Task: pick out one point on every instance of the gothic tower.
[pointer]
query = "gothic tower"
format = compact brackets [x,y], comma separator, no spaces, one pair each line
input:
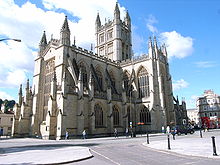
[113,39]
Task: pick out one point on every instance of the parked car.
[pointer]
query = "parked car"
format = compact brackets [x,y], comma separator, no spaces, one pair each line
[184,130]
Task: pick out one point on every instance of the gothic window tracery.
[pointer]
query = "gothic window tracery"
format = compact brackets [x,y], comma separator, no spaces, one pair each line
[145,116]
[98,115]
[115,112]
[84,75]
[143,83]
[49,71]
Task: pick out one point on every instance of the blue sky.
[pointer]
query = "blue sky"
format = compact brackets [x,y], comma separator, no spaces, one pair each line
[190,29]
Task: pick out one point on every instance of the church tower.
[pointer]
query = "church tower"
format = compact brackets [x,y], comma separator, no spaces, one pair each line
[113,39]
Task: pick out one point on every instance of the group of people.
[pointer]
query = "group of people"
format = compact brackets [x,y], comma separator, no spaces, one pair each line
[169,130]
[83,134]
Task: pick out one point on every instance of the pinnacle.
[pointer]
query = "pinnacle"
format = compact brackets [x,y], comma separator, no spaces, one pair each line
[43,39]
[65,25]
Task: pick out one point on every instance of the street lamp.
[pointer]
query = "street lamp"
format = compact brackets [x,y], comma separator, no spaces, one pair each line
[17,40]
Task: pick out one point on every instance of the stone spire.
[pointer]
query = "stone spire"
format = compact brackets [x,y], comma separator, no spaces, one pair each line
[164,50]
[43,42]
[155,42]
[65,26]
[20,95]
[116,12]
[27,85]
[65,33]
[27,91]
[149,43]
[127,19]
[97,22]
[150,48]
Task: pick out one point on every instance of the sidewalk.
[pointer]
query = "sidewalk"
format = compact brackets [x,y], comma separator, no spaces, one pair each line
[42,154]
[192,145]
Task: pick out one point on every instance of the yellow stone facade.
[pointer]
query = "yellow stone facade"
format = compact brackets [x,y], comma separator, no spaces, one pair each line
[75,89]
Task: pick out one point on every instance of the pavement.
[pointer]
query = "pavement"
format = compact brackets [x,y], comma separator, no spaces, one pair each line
[190,144]
[38,151]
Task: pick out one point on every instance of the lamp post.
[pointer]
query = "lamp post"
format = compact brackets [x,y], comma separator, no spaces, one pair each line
[17,40]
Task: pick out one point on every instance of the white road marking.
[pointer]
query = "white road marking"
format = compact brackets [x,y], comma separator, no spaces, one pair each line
[105,157]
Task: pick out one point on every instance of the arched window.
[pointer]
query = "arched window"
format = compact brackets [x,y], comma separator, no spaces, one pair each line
[98,115]
[99,76]
[143,83]
[84,75]
[49,72]
[115,116]
[145,116]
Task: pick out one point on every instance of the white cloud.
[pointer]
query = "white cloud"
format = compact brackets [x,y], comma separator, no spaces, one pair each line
[191,102]
[86,11]
[179,84]
[177,45]
[4,96]
[28,22]
[205,64]
[16,60]
[150,24]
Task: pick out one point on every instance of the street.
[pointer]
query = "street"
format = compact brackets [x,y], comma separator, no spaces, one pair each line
[131,151]
[122,150]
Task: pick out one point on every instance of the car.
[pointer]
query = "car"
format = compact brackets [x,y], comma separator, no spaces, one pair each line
[184,130]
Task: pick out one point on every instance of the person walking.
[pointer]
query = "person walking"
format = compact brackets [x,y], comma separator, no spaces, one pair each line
[84,134]
[168,129]
[116,133]
[126,132]
[67,135]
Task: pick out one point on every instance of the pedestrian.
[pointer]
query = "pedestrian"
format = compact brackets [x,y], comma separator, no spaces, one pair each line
[173,132]
[84,134]
[67,135]
[163,130]
[126,132]
[168,129]
[116,133]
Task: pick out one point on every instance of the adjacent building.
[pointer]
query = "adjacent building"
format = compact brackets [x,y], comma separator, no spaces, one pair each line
[75,89]
[208,106]
[180,112]
[6,120]
[193,115]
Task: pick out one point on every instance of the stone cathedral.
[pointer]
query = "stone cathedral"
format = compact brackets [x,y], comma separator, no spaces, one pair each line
[75,89]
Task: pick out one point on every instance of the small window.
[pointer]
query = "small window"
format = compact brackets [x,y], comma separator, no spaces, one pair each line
[101,38]
[101,51]
[110,34]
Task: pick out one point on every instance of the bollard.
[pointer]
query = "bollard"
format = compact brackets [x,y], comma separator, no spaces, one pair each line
[168,140]
[201,133]
[147,138]
[214,147]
